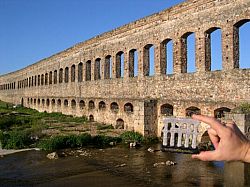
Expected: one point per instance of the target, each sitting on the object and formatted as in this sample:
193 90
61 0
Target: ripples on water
102 169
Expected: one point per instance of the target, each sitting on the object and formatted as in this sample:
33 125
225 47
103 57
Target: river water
118 166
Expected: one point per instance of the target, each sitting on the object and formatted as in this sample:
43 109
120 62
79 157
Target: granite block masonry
99 78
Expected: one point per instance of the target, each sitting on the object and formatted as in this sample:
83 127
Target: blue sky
35 29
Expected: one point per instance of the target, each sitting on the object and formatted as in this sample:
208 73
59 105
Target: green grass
18 125
74 141
104 127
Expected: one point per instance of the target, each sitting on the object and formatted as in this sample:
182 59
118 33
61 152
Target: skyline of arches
129 64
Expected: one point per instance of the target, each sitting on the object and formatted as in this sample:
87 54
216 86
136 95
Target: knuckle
229 132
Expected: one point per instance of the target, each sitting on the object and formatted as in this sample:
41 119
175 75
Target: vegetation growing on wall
244 108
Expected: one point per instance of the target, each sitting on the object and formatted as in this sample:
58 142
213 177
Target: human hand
229 142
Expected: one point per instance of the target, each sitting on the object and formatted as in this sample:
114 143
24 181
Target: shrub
243 108
2 140
16 140
6 122
151 140
131 136
71 141
83 140
53 143
101 140
62 142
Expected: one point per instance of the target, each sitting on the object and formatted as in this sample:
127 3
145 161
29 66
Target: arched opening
133 63
73 73
114 107
213 49
55 77
66 75
97 69
119 124
102 105
47 102
220 112
59 102
42 80
88 70
82 104
32 82
241 44
128 107
31 101
8 86
66 103
91 104
50 77
38 102
43 102
167 110
53 103
91 118
166 57
34 101
108 67
61 75
35 80
46 78
119 64
148 60
22 102
80 71
205 142
188 53
39 80
28 101
73 104
192 110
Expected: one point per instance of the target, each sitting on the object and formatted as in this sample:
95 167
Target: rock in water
167 163
112 143
159 164
134 144
52 156
151 150
170 163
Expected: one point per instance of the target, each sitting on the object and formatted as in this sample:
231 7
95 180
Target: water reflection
237 174
33 168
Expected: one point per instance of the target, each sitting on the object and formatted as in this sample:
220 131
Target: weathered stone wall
242 121
94 69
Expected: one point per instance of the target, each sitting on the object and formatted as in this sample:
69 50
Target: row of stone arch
104 70
167 110
119 122
9 86
114 107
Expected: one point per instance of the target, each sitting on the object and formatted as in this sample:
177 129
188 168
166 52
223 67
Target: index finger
212 122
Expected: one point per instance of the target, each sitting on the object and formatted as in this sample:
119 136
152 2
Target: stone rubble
167 163
52 156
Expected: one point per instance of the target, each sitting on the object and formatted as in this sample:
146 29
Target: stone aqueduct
96 78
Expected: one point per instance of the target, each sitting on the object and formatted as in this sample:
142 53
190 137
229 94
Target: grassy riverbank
21 127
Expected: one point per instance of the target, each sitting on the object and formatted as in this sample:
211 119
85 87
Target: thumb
206 156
